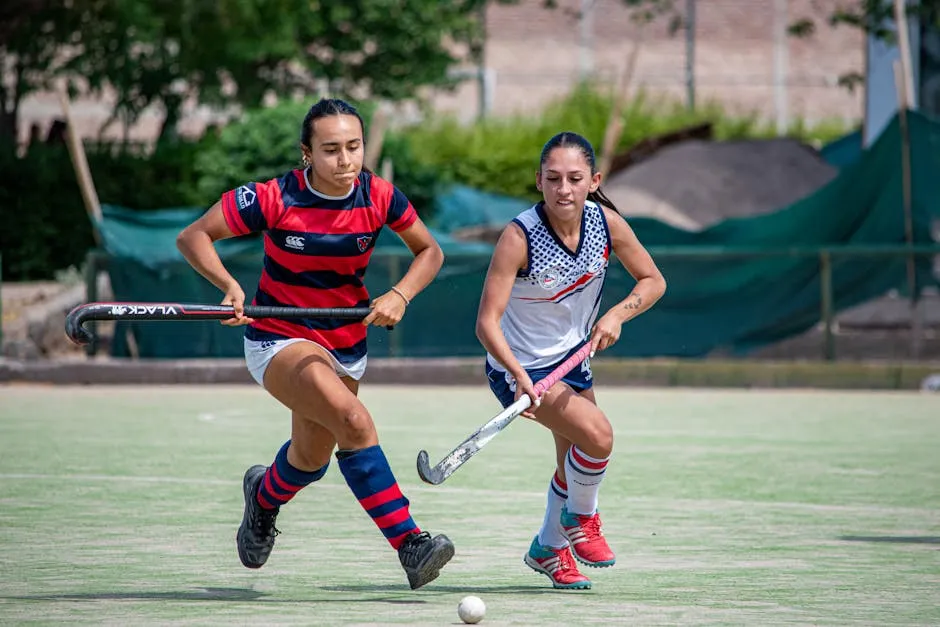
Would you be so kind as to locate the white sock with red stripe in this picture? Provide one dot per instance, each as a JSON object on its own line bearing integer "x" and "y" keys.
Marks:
{"x": 584, "y": 474}
{"x": 551, "y": 533}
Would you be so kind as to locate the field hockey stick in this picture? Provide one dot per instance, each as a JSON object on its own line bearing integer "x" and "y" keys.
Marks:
{"x": 472, "y": 445}
{"x": 76, "y": 318}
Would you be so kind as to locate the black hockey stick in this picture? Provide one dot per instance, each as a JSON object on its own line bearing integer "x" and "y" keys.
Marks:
{"x": 479, "y": 438}
{"x": 76, "y": 318}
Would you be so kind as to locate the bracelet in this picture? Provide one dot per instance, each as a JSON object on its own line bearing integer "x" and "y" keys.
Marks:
{"x": 403, "y": 297}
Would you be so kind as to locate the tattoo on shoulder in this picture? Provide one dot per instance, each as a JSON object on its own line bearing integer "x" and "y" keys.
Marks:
{"x": 634, "y": 303}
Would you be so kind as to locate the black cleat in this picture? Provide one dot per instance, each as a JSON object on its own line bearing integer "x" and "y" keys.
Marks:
{"x": 255, "y": 537}
{"x": 423, "y": 557}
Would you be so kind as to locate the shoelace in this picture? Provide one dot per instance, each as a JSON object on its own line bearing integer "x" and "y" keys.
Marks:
{"x": 564, "y": 559}
{"x": 592, "y": 526}
{"x": 409, "y": 548}
{"x": 264, "y": 523}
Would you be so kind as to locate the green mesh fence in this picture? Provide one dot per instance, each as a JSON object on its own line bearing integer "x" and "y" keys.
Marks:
{"x": 739, "y": 285}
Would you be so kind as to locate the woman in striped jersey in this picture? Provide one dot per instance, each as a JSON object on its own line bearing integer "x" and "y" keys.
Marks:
{"x": 540, "y": 303}
{"x": 320, "y": 223}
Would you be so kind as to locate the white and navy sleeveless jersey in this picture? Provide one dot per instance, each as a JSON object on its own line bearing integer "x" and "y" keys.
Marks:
{"x": 555, "y": 300}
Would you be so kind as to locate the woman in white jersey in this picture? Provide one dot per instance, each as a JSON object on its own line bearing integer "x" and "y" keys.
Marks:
{"x": 540, "y": 303}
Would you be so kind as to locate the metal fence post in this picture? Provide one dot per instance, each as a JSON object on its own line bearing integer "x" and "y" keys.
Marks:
{"x": 91, "y": 295}
{"x": 825, "y": 285}
{"x": 690, "y": 54}
{"x": 394, "y": 336}
{"x": 1, "y": 300}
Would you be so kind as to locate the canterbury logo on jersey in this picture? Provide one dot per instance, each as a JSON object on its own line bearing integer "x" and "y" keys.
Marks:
{"x": 294, "y": 241}
{"x": 244, "y": 196}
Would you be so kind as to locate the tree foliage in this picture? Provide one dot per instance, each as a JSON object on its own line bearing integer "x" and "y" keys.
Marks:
{"x": 166, "y": 53}
{"x": 32, "y": 32}
{"x": 875, "y": 17}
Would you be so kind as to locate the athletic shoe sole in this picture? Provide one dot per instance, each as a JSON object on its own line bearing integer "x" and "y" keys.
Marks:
{"x": 606, "y": 564}
{"x": 579, "y": 585}
{"x": 429, "y": 568}
{"x": 249, "y": 487}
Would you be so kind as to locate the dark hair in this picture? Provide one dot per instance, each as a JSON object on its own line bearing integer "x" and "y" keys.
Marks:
{"x": 567, "y": 139}
{"x": 323, "y": 108}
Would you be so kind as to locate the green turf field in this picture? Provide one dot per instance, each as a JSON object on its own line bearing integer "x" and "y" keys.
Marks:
{"x": 118, "y": 505}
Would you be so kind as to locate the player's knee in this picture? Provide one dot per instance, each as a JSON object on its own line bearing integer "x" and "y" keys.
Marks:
{"x": 600, "y": 438}
{"x": 356, "y": 429}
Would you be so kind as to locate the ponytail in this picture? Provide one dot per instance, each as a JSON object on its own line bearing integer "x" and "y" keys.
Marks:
{"x": 601, "y": 198}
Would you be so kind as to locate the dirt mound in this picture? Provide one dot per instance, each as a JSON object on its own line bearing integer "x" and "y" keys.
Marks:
{"x": 696, "y": 183}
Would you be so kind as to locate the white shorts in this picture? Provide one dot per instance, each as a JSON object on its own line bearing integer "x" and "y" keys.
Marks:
{"x": 259, "y": 354}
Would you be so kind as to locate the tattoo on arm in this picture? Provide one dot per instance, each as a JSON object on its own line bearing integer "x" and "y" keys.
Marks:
{"x": 635, "y": 302}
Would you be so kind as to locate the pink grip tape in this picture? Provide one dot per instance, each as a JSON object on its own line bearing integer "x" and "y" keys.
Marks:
{"x": 566, "y": 366}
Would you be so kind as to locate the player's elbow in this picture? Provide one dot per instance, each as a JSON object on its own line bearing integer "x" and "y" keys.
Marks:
{"x": 480, "y": 330}
{"x": 660, "y": 283}
{"x": 484, "y": 329}
{"x": 430, "y": 255}
{"x": 182, "y": 241}
{"x": 436, "y": 253}
{"x": 187, "y": 240}
{"x": 656, "y": 288}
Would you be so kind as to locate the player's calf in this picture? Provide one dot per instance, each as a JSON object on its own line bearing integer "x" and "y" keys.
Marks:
{"x": 266, "y": 490}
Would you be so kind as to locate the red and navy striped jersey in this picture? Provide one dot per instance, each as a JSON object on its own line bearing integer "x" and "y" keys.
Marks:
{"x": 316, "y": 250}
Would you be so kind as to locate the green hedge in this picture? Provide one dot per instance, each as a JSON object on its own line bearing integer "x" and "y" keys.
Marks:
{"x": 45, "y": 227}
{"x": 501, "y": 155}
{"x": 265, "y": 143}
{"x": 498, "y": 155}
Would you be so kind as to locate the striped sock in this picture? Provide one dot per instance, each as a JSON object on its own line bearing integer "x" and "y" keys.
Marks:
{"x": 282, "y": 481}
{"x": 371, "y": 480}
{"x": 551, "y": 533}
{"x": 584, "y": 474}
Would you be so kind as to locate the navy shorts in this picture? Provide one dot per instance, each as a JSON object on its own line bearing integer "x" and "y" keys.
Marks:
{"x": 504, "y": 387}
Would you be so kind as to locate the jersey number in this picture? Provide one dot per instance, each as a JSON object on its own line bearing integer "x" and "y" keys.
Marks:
{"x": 586, "y": 369}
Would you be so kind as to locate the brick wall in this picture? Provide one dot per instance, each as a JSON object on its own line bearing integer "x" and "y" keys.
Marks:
{"x": 535, "y": 54}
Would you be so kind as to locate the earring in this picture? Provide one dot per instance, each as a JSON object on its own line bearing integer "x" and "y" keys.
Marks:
{"x": 304, "y": 160}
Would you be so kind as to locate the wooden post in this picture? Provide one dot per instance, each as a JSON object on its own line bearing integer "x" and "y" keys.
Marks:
{"x": 376, "y": 137}
{"x": 388, "y": 170}
{"x": 904, "y": 52}
{"x": 80, "y": 163}
{"x": 615, "y": 122}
